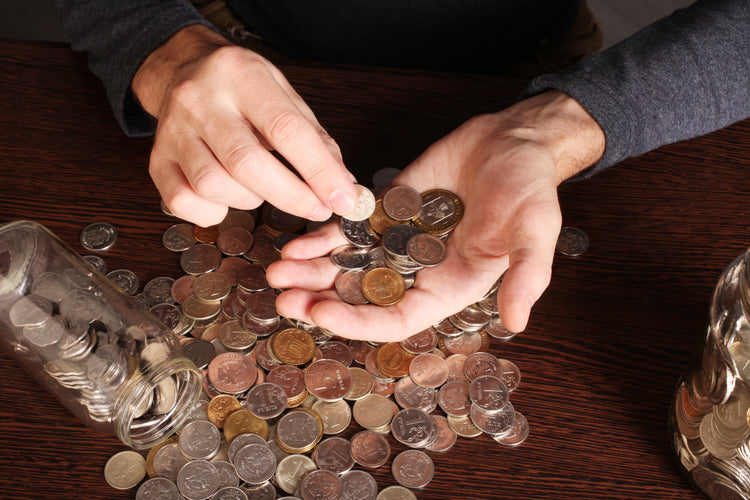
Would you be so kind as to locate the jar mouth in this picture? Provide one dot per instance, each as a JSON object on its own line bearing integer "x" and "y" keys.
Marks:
{"x": 141, "y": 430}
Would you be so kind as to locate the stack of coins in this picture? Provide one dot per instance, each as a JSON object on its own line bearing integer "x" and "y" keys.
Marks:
{"x": 391, "y": 238}
{"x": 280, "y": 395}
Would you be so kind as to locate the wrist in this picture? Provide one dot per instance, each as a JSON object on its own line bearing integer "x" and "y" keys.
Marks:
{"x": 158, "y": 71}
{"x": 563, "y": 127}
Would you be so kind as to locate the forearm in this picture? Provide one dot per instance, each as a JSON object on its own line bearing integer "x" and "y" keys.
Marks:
{"x": 684, "y": 76}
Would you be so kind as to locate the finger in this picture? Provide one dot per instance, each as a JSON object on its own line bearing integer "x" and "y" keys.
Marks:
{"x": 297, "y": 303}
{"x": 251, "y": 165}
{"x": 299, "y": 140}
{"x": 315, "y": 244}
{"x": 530, "y": 269}
{"x": 314, "y": 274}
{"x": 208, "y": 177}
{"x": 179, "y": 197}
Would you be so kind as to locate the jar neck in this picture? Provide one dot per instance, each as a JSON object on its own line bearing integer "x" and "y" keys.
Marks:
{"x": 138, "y": 392}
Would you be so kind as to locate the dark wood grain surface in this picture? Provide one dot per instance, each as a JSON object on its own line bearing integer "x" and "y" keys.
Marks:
{"x": 606, "y": 343}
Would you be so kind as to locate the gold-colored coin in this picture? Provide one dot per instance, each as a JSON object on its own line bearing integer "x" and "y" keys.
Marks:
{"x": 292, "y": 346}
{"x": 383, "y": 286}
{"x": 379, "y": 220}
{"x": 241, "y": 422}
{"x": 463, "y": 426}
{"x": 392, "y": 360}
{"x": 441, "y": 211}
{"x": 200, "y": 310}
{"x": 220, "y": 407}
{"x": 152, "y": 452}
{"x": 234, "y": 337}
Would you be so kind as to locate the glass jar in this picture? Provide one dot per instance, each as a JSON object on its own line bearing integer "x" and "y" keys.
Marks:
{"x": 708, "y": 419}
{"x": 108, "y": 360}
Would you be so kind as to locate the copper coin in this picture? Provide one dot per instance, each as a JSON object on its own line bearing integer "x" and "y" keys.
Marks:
{"x": 360, "y": 349}
{"x": 429, "y": 370}
{"x": 328, "y": 380}
{"x": 336, "y": 350}
{"x": 402, "y": 202}
{"x": 252, "y": 278}
{"x": 206, "y": 234}
{"x": 426, "y": 250}
{"x": 232, "y": 373}
{"x": 446, "y": 438}
{"x": 182, "y": 288}
{"x": 232, "y": 267}
{"x": 262, "y": 306}
{"x": 383, "y": 286}
{"x": 266, "y": 400}
{"x": 234, "y": 241}
{"x": 349, "y": 287}
{"x": 413, "y": 468}
{"x": 290, "y": 378}
{"x": 453, "y": 398}
{"x": 370, "y": 449}
{"x": 238, "y": 218}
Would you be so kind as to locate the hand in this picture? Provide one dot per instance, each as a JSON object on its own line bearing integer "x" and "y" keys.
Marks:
{"x": 505, "y": 167}
{"x": 220, "y": 109}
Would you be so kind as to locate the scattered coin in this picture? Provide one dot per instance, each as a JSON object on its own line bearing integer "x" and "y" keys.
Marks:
{"x": 98, "y": 236}
{"x": 572, "y": 242}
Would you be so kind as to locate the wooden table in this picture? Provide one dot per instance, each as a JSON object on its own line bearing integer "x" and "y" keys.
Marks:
{"x": 605, "y": 346}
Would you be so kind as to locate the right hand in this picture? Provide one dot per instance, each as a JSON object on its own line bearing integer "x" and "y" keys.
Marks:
{"x": 220, "y": 110}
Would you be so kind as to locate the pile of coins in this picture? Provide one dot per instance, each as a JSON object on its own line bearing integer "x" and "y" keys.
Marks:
{"x": 391, "y": 238}
{"x": 280, "y": 395}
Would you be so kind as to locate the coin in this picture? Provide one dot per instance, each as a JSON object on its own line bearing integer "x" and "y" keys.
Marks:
{"x": 429, "y": 370}
{"x": 157, "y": 487}
{"x": 421, "y": 342}
{"x": 336, "y": 350}
{"x": 349, "y": 287}
{"x": 213, "y": 286}
{"x": 482, "y": 363}
{"x": 358, "y": 233}
{"x": 178, "y": 237}
{"x": 198, "y": 480}
{"x": 220, "y": 407}
{"x": 370, "y": 449}
{"x": 124, "y": 470}
{"x": 402, "y": 203}
{"x": 379, "y": 221}
{"x": 413, "y": 468}
{"x": 234, "y": 241}
{"x": 266, "y": 400}
{"x": 255, "y": 463}
{"x": 200, "y": 258}
{"x": 517, "y": 434}
{"x": 383, "y": 286}
{"x": 328, "y": 380}
{"x": 244, "y": 422}
{"x": 446, "y": 438}
{"x": 238, "y": 218}
{"x": 125, "y": 279}
{"x": 200, "y": 439}
{"x": 365, "y": 205}
{"x": 453, "y": 398}
{"x": 232, "y": 373}
{"x": 332, "y": 454}
{"x": 572, "y": 242}
{"x": 441, "y": 211}
{"x": 359, "y": 485}
{"x": 299, "y": 430}
{"x": 336, "y": 416}
{"x": 321, "y": 484}
{"x": 426, "y": 249}
{"x": 292, "y": 346}
{"x": 392, "y": 360}
{"x": 291, "y": 470}
{"x": 350, "y": 257}
{"x": 489, "y": 393}
{"x": 290, "y": 378}
{"x": 98, "y": 236}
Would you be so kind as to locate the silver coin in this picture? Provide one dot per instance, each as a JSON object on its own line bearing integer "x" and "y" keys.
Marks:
{"x": 413, "y": 468}
{"x": 572, "y": 242}
{"x": 200, "y": 439}
{"x": 255, "y": 463}
{"x": 350, "y": 257}
{"x": 98, "y": 236}
{"x": 157, "y": 487}
{"x": 158, "y": 290}
{"x": 125, "y": 279}
{"x": 357, "y": 233}
{"x": 230, "y": 493}
{"x": 96, "y": 262}
{"x": 365, "y": 205}
{"x": 178, "y": 237}
{"x": 359, "y": 485}
{"x": 198, "y": 480}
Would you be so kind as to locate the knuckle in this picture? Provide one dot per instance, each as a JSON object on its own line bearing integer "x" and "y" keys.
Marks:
{"x": 285, "y": 126}
{"x": 208, "y": 182}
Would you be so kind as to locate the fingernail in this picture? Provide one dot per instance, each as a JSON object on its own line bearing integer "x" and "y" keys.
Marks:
{"x": 321, "y": 213}
{"x": 341, "y": 202}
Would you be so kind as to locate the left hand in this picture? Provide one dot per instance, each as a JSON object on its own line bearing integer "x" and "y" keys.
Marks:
{"x": 505, "y": 167}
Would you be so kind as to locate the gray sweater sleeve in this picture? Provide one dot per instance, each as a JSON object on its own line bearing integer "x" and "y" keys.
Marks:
{"x": 117, "y": 37}
{"x": 684, "y": 76}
